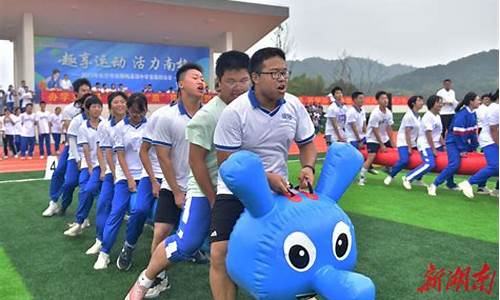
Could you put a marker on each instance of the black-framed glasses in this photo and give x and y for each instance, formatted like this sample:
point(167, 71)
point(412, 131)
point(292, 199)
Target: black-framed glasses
point(278, 74)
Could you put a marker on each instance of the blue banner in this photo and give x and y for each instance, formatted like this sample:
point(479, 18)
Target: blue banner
point(131, 64)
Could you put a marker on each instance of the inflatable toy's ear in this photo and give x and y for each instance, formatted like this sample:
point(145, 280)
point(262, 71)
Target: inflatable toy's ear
point(341, 166)
point(243, 173)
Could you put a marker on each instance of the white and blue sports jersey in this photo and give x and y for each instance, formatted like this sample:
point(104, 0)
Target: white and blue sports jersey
point(105, 138)
point(358, 117)
point(410, 120)
point(28, 124)
point(148, 137)
point(87, 135)
point(171, 132)
point(70, 111)
point(379, 120)
point(245, 125)
point(72, 133)
point(128, 138)
point(43, 119)
point(490, 119)
point(338, 112)
point(430, 122)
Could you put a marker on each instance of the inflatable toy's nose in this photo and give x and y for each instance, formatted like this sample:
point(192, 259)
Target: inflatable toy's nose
point(335, 284)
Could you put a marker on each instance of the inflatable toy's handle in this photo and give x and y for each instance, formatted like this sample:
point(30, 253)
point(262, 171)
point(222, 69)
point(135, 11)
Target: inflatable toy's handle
point(335, 284)
point(244, 175)
point(341, 166)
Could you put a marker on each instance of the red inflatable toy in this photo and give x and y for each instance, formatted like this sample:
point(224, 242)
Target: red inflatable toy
point(470, 164)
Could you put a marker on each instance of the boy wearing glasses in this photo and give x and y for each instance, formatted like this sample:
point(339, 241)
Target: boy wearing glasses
point(265, 120)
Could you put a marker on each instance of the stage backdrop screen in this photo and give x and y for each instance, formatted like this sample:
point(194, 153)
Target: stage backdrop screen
point(134, 65)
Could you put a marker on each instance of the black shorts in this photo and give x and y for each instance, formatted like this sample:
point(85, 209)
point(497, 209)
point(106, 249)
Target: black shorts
point(166, 210)
point(226, 211)
point(373, 147)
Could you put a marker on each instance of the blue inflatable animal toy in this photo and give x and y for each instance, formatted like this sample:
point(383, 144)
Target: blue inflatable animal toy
point(293, 247)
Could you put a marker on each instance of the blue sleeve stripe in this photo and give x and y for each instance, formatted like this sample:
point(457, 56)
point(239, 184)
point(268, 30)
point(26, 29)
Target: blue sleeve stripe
point(305, 141)
point(147, 140)
point(227, 148)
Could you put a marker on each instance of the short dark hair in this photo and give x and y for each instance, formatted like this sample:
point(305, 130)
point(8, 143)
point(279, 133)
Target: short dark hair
point(231, 60)
point(114, 95)
point(56, 71)
point(29, 104)
point(79, 82)
point(447, 80)
point(432, 100)
point(412, 100)
point(337, 88)
point(356, 94)
point(186, 67)
point(43, 102)
point(93, 99)
point(261, 55)
point(486, 96)
point(379, 94)
point(139, 100)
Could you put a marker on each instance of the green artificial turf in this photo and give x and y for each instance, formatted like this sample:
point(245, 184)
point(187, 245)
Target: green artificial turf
point(398, 233)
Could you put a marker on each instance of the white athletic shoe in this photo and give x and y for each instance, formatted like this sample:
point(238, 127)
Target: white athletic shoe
point(155, 291)
point(42, 157)
point(86, 223)
point(494, 193)
point(362, 182)
point(388, 180)
point(466, 189)
point(95, 249)
point(102, 262)
point(419, 183)
point(30, 158)
point(74, 230)
point(484, 191)
point(51, 210)
point(406, 183)
point(16, 156)
point(23, 157)
point(431, 190)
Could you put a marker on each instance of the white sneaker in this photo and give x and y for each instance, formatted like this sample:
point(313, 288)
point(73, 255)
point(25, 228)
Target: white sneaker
point(86, 223)
point(102, 261)
point(74, 230)
point(431, 190)
point(51, 210)
point(466, 189)
point(155, 291)
point(16, 156)
point(406, 183)
point(42, 157)
point(484, 191)
point(23, 157)
point(362, 182)
point(30, 158)
point(494, 193)
point(95, 249)
point(388, 180)
point(419, 183)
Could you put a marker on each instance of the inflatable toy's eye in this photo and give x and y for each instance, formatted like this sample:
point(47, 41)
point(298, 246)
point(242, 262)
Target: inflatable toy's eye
point(300, 252)
point(342, 240)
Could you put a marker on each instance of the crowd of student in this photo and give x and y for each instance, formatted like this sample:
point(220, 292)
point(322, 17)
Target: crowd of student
point(129, 162)
point(166, 165)
point(456, 128)
point(19, 131)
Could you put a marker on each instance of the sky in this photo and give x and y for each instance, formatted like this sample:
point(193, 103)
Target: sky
point(419, 33)
point(413, 32)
